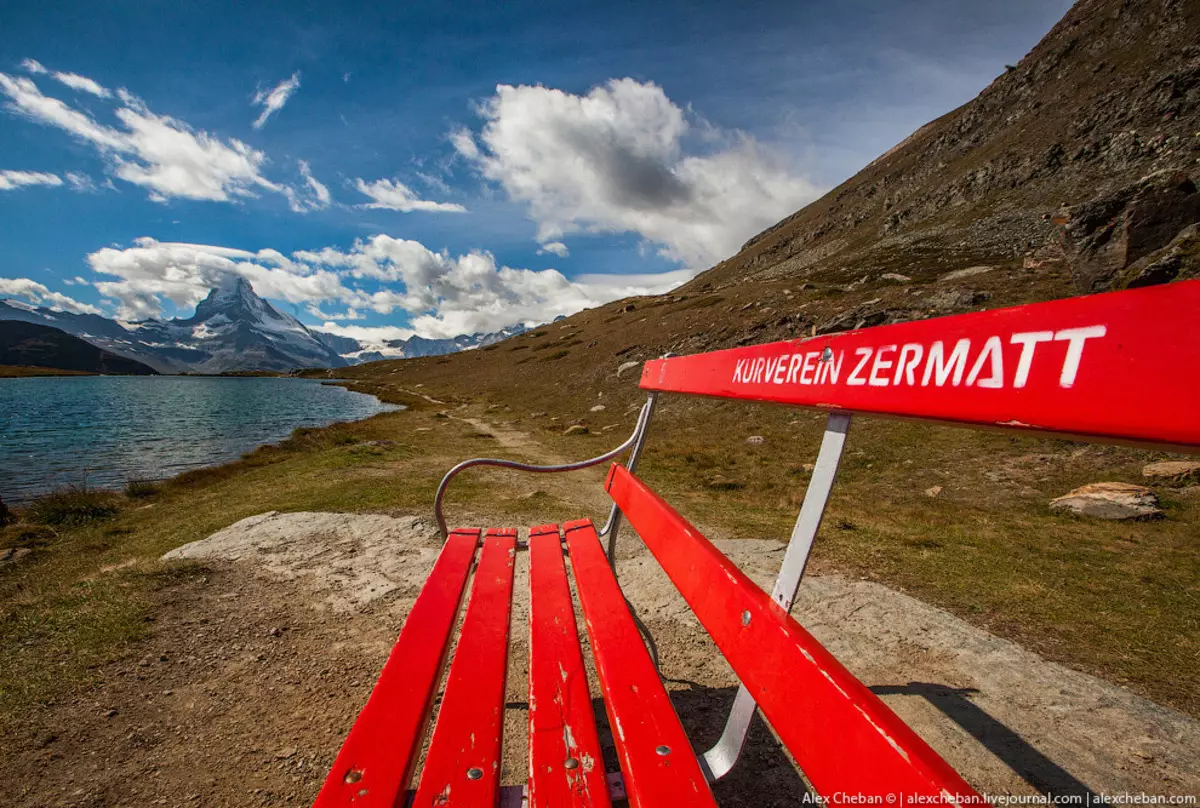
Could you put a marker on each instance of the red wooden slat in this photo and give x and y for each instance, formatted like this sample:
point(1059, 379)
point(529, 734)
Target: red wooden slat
point(845, 739)
point(566, 767)
point(462, 767)
point(375, 763)
point(659, 766)
point(1120, 366)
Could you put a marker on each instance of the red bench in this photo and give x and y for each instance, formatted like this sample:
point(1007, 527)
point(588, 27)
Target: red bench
point(1121, 367)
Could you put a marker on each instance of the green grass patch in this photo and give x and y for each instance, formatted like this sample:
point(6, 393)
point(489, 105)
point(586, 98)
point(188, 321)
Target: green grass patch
point(72, 506)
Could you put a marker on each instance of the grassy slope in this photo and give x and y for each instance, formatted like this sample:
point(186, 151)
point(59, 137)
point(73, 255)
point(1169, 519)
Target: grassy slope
point(18, 371)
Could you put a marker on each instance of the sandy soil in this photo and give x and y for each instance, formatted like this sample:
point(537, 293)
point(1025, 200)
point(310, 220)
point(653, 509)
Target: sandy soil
point(261, 656)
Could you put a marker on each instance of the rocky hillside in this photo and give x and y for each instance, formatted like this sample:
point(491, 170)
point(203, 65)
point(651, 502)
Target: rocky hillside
point(32, 345)
point(1046, 164)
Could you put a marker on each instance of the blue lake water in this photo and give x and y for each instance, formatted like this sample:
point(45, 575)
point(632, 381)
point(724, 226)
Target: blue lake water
point(108, 429)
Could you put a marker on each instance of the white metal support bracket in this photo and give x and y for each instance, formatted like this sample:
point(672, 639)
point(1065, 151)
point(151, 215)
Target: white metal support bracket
point(720, 759)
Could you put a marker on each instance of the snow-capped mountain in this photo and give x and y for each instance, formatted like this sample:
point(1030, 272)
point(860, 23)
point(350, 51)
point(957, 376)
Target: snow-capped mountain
point(234, 329)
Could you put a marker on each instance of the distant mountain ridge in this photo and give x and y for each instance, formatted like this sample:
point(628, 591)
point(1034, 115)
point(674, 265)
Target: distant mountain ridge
point(32, 345)
point(416, 346)
point(233, 329)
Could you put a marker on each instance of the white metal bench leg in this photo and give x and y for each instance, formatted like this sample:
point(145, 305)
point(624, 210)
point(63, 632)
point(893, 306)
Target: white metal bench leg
point(720, 759)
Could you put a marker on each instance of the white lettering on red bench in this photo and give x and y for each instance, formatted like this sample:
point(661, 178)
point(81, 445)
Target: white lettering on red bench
point(967, 363)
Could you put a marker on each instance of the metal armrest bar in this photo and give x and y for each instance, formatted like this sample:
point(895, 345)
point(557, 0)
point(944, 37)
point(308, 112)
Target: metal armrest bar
point(631, 441)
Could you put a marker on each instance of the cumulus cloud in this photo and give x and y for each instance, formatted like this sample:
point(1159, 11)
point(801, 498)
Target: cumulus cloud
point(11, 180)
point(313, 195)
point(369, 335)
point(615, 160)
point(395, 195)
point(151, 271)
point(273, 100)
point(554, 248)
point(156, 152)
point(448, 295)
point(440, 294)
point(39, 295)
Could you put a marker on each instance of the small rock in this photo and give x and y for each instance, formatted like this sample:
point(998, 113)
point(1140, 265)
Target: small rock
point(1110, 501)
point(933, 490)
point(284, 754)
point(720, 482)
point(755, 440)
point(441, 415)
point(895, 276)
point(808, 467)
point(626, 366)
point(1171, 469)
point(969, 272)
point(538, 414)
point(576, 429)
point(11, 555)
point(598, 408)
point(110, 714)
point(275, 632)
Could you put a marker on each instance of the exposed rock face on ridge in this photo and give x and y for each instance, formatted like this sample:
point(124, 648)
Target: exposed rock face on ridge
point(1109, 96)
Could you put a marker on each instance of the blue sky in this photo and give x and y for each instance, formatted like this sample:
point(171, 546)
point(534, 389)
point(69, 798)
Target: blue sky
point(472, 165)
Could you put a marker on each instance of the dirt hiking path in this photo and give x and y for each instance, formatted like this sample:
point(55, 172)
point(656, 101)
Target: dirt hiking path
point(260, 658)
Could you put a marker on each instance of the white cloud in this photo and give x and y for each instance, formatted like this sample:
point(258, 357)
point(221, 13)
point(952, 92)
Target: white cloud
point(313, 195)
point(614, 160)
point(83, 84)
point(554, 248)
point(72, 80)
point(39, 295)
point(371, 336)
point(152, 271)
point(11, 180)
point(156, 152)
point(446, 295)
point(81, 182)
point(442, 295)
point(395, 195)
point(273, 100)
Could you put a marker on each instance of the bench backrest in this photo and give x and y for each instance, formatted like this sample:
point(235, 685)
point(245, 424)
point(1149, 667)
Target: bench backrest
point(1122, 366)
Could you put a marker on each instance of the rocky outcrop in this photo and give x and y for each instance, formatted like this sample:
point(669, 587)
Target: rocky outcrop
point(1128, 237)
point(1110, 501)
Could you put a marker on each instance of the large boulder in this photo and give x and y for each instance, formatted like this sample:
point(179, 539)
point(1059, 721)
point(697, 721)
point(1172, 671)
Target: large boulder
point(1104, 238)
point(1110, 501)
